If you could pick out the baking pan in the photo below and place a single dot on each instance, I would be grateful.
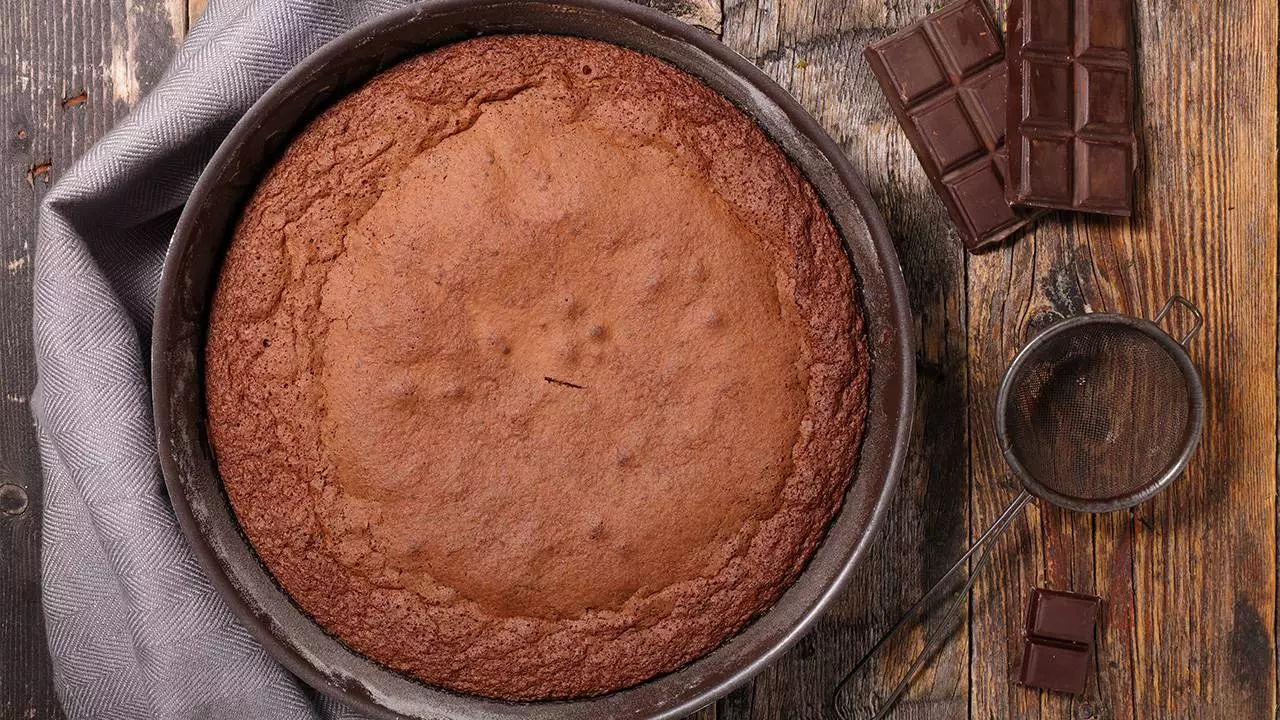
(205, 229)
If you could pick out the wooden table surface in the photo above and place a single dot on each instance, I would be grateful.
(1189, 628)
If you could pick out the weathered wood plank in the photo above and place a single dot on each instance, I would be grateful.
(50, 51)
(813, 49)
(1202, 646)
(1215, 152)
(1189, 628)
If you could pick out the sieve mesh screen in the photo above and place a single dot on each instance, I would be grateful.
(1098, 412)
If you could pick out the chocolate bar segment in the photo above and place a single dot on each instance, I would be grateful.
(1070, 115)
(1055, 666)
(1058, 640)
(946, 80)
(1063, 616)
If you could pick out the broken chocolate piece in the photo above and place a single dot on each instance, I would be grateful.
(1058, 640)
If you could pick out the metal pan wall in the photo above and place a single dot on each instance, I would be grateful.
(201, 240)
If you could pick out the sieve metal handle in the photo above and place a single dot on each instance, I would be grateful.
(1190, 307)
(980, 552)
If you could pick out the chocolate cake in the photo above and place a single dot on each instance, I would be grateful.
(535, 369)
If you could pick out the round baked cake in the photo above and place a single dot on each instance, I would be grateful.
(534, 368)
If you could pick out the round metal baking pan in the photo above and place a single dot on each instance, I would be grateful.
(201, 239)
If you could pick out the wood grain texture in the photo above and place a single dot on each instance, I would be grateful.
(50, 50)
(195, 8)
(1189, 578)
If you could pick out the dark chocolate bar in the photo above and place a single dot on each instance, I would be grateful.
(1070, 114)
(946, 79)
(1058, 640)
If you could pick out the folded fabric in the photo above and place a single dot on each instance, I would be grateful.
(135, 628)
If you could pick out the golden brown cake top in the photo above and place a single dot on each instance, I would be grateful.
(534, 369)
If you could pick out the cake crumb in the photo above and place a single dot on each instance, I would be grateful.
(75, 101)
(40, 170)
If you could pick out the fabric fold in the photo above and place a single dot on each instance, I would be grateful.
(135, 628)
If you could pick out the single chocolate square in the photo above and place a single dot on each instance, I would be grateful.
(1072, 143)
(963, 32)
(1063, 667)
(945, 78)
(1049, 26)
(1106, 101)
(912, 67)
(1063, 616)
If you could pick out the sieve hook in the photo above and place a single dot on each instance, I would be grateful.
(1190, 307)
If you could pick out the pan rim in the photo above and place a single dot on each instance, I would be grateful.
(899, 355)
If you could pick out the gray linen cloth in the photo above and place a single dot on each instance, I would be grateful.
(135, 629)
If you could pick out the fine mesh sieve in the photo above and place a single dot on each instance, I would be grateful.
(1097, 413)
(1100, 412)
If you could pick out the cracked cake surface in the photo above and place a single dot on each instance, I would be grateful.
(534, 368)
